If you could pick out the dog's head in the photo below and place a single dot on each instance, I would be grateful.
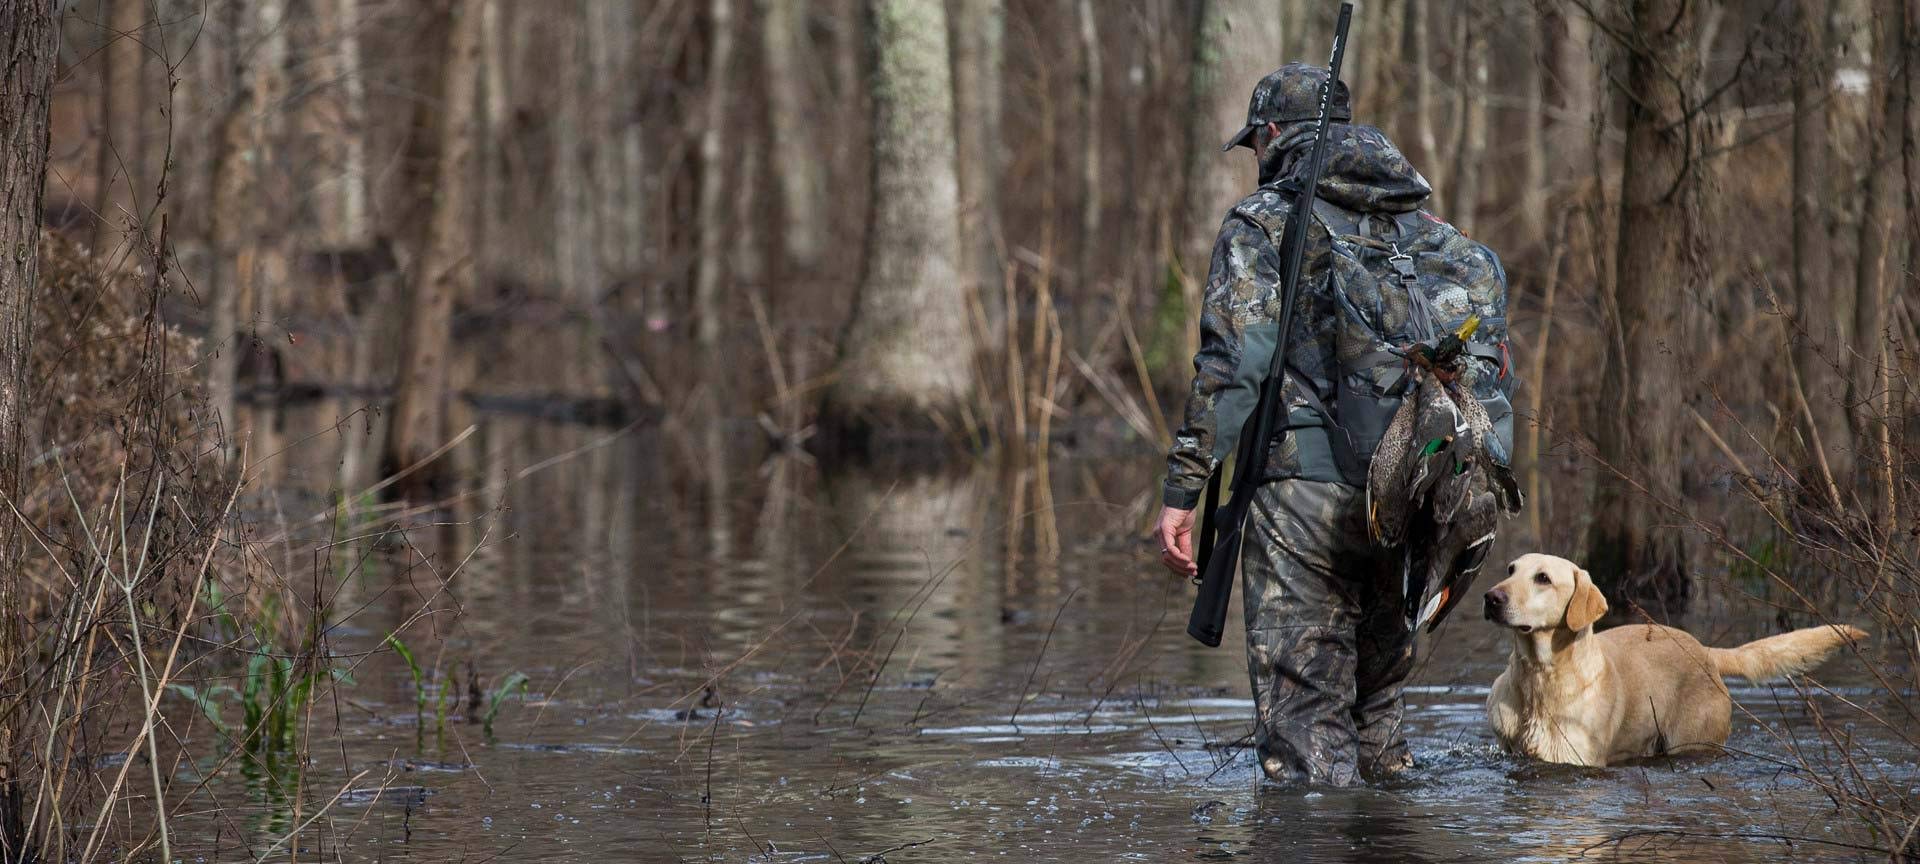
(1542, 592)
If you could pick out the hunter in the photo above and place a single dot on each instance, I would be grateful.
(1327, 647)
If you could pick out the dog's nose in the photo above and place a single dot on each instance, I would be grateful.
(1496, 604)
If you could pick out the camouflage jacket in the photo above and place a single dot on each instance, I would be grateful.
(1239, 322)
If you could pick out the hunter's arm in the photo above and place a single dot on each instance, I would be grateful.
(1236, 343)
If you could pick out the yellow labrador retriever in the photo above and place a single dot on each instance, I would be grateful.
(1574, 696)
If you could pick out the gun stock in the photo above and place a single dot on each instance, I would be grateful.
(1208, 621)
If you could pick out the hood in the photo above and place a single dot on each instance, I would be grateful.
(1364, 172)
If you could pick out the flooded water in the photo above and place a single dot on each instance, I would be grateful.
(885, 668)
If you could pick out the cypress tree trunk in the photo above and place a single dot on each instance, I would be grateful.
(1236, 43)
(1881, 211)
(120, 172)
(576, 140)
(1533, 130)
(800, 162)
(978, 33)
(441, 269)
(1634, 558)
(715, 248)
(1876, 239)
(1092, 110)
(29, 43)
(345, 221)
(241, 219)
(905, 360)
(1885, 416)
(1811, 79)
(1812, 296)
(1470, 122)
(1426, 146)
(1569, 85)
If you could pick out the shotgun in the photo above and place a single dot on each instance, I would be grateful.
(1219, 557)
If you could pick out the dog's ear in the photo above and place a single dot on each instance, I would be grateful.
(1588, 603)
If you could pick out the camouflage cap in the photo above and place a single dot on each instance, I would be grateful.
(1290, 93)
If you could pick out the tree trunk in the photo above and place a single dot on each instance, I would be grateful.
(1635, 560)
(1880, 211)
(904, 367)
(620, 170)
(801, 160)
(978, 30)
(442, 270)
(715, 234)
(1092, 109)
(1857, 54)
(1569, 85)
(344, 203)
(1470, 122)
(573, 145)
(712, 214)
(1533, 126)
(1426, 144)
(120, 173)
(1236, 43)
(1812, 268)
(245, 229)
(29, 42)
(1380, 89)
(1883, 417)
(1292, 16)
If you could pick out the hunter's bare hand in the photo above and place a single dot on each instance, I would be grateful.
(1176, 541)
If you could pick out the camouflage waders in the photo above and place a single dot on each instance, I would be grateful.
(1326, 649)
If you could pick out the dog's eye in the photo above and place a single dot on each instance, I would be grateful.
(1542, 579)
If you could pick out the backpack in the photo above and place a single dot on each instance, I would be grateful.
(1397, 279)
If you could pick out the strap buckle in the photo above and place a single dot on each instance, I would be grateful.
(1402, 264)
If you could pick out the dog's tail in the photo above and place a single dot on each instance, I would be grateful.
(1785, 654)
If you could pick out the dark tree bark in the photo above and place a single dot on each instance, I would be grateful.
(1884, 415)
(1881, 212)
(1638, 561)
(442, 268)
(1812, 72)
(1813, 295)
(248, 220)
(29, 43)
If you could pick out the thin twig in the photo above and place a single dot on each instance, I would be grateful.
(1014, 720)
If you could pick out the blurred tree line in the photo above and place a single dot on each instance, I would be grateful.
(984, 221)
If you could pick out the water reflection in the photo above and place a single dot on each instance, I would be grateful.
(942, 680)
(1357, 825)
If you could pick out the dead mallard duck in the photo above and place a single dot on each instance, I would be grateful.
(1436, 490)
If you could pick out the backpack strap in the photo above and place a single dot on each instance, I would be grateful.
(1352, 223)
(1309, 392)
(1337, 219)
